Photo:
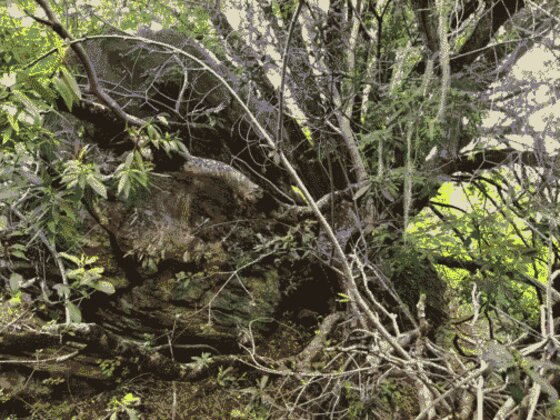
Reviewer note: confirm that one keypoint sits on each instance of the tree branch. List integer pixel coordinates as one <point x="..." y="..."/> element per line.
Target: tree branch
<point x="473" y="266"/>
<point x="496" y="14"/>
<point x="94" y="84"/>
<point x="487" y="159"/>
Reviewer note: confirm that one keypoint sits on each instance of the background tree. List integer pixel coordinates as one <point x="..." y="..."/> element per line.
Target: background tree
<point x="212" y="165"/>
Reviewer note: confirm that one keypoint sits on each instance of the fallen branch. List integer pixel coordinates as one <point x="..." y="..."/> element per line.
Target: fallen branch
<point x="92" y="338"/>
<point x="58" y="359"/>
<point x="310" y="353"/>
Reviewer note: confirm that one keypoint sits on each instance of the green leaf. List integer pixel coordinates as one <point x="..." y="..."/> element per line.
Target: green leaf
<point x="516" y="392"/>
<point x="70" y="81"/>
<point x="130" y="400"/>
<point x="308" y="136"/>
<point x="386" y="192"/>
<point x="39" y="88"/>
<point x="62" y="289"/>
<point x="75" y="313"/>
<point x="82" y="182"/>
<point x="51" y="226"/>
<point x="65" y="92"/>
<point x="15" y="281"/>
<point x="162" y="119"/>
<point x="69" y="257"/>
<point x="104" y="286"/>
<point x="74" y="274"/>
<point x="96" y="185"/>
<point x="299" y="193"/>
<point x="343" y="298"/>
<point x="7" y="135"/>
<point x="129" y="158"/>
<point x="153" y="133"/>
<point x="124" y="185"/>
<point x="91" y="259"/>
<point x="12" y="119"/>
<point x="28" y="106"/>
<point x="83" y="152"/>
<point x="131" y="414"/>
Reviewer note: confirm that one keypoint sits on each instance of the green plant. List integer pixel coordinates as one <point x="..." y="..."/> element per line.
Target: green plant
<point x="78" y="174"/>
<point x="225" y="377"/>
<point x="132" y="175"/>
<point x="108" y="366"/>
<point x="202" y="361"/>
<point x="87" y="277"/>
<point x="356" y="407"/>
<point x="249" y="412"/>
<point x="84" y="279"/>
<point x="128" y="404"/>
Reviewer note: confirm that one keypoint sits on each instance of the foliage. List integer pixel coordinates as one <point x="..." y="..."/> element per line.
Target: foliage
<point x="109" y="366"/>
<point x="480" y="230"/>
<point x="202" y="361"/>
<point x="128" y="405"/>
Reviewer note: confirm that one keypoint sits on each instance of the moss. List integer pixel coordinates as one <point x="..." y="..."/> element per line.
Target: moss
<point x="398" y="397"/>
<point x="47" y="410"/>
<point x="248" y="298"/>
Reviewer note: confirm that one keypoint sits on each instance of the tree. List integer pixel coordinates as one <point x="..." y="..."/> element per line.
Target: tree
<point x="305" y="147"/>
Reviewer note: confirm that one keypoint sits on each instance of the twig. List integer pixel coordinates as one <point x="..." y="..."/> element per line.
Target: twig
<point x="534" y="395"/>
<point x="504" y="411"/>
<point x="52" y="359"/>
<point x="283" y="74"/>
<point x="444" y="59"/>
<point x="483" y="368"/>
<point x="480" y="399"/>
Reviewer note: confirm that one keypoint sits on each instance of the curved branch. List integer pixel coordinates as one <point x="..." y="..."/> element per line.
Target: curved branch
<point x="95" y="86"/>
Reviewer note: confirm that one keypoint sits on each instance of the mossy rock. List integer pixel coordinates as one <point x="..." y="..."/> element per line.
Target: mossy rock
<point x="250" y="298"/>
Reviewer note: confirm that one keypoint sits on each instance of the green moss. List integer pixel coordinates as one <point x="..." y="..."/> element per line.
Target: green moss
<point x="47" y="410"/>
<point x="248" y="299"/>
